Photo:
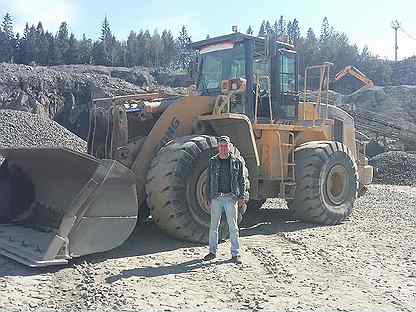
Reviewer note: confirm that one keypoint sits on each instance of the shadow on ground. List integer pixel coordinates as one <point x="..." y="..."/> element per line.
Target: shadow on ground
<point x="271" y="221"/>
<point x="180" y="268"/>
<point x="147" y="239"/>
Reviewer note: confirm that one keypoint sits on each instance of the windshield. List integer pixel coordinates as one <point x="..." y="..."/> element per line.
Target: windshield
<point x="221" y="65"/>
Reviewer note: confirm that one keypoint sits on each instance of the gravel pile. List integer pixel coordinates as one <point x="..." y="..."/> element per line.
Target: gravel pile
<point x="22" y="129"/>
<point x="394" y="103"/>
<point x="63" y="95"/>
<point x="397" y="168"/>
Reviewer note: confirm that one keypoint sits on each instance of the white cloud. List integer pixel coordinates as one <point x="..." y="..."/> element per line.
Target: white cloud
<point x="51" y="12"/>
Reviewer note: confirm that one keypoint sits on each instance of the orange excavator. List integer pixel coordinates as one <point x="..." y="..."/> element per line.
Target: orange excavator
<point x="356" y="73"/>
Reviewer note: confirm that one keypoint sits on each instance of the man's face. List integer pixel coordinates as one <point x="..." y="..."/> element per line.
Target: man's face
<point x="224" y="150"/>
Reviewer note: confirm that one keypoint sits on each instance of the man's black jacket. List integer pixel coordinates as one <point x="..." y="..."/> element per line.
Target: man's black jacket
<point x="239" y="182"/>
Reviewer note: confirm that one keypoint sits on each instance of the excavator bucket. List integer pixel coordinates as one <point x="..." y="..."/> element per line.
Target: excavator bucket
<point x="73" y="205"/>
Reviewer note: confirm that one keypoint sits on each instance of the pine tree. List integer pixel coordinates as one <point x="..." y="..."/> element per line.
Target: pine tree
<point x="8" y="42"/>
<point x="325" y="30"/>
<point x="156" y="49"/>
<point x="62" y="43"/>
<point x="52" y="54"/>
<point x="106" y="34"/>
<point x="184" y="51"/>
<point x="250" y="30"/>
<point x="168" y="49"/>
<point x="8" y="26"/>
<point x="41" y="46"/>
<point x="294" y="35"/>
<point x="268" y="28"/>
<point x="85" y="50"/>
<point x="307" y="50"/>
<point x="72" y="54"/>
<point x="147" y="54"/>
<point x="21" y="56"/>
<point x="107" y="42"/>
<point x="97" y="53"/>
<point x="281" y="30"/>
<point x="289" y="32"/>
<point x="132" y="57"/>
<point x="30" y="46"/>
<point x="262" y="30"/>
<point x="118" y="53"/>
<point x="141" y="47"/>
<point x="310" y="35"/>
<point x="16" y="46"/>
<point x="3" y="46"/>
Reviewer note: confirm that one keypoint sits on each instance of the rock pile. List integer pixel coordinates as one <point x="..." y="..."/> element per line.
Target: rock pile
<point x="23" y="129"/>
<point x="395" y="167"/>
<point x="395" y="103"/>
<point x="58" y="94"/>
<point x="404" y="72"/>
<point x="139" y="76"/>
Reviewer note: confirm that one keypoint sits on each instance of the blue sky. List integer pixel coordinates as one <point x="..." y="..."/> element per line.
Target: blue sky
<point x="365" y="22"/>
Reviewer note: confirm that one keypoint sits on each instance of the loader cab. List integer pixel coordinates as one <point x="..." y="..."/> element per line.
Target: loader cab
<point x="264" y="70"/>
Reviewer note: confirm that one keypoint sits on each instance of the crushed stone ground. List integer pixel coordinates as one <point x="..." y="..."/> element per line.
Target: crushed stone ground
<point x="365" y="264"/>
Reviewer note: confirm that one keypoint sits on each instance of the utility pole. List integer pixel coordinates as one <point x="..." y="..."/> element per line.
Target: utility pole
<point x="396" y="26"/>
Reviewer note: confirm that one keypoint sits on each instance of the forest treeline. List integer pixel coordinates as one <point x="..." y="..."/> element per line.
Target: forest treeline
<point x="37" y="46"/>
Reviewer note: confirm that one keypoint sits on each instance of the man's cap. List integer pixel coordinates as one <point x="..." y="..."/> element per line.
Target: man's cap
<point x="224" y="139"/>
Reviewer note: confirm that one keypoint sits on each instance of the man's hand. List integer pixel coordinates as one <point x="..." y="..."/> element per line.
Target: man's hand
<point x="242" y="204"/>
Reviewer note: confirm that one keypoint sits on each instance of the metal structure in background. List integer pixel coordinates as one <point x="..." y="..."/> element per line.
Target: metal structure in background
<point x="396" y="26"/>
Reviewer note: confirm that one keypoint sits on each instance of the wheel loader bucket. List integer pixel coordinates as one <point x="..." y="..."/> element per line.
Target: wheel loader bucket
<point x="81" y="205"/>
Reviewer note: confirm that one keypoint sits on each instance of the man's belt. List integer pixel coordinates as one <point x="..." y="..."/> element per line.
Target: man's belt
<point x="224" y="194"/>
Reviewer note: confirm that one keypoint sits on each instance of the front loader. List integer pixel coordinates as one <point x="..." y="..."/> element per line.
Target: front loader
<point x="148" y="155"/>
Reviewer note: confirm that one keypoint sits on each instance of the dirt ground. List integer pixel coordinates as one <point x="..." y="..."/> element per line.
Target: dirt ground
<point x="366" y="264"/>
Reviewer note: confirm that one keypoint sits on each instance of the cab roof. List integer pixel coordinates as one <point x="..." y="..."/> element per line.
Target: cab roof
<point x="235" y="38"/>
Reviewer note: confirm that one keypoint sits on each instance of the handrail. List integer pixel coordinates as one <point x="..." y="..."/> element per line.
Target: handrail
<point x="323" y="86"/>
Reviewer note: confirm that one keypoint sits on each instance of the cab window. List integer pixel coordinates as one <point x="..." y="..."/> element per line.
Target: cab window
<point x="288" y="73"/>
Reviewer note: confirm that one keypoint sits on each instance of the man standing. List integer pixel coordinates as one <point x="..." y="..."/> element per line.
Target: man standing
<point x="227" y="191"/>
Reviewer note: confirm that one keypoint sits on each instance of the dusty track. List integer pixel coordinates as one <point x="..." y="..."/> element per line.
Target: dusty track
<point x="365" y="264"/>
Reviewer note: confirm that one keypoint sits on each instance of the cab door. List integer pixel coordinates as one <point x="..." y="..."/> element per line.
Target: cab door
<point x="285" y="84"/>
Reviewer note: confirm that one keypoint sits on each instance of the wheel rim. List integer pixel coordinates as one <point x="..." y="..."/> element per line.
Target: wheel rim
<point x="337" y="184"/>
<point x="202" y="191"/>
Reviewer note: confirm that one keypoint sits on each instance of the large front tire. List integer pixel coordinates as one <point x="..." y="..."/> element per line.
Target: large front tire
<point x="177" y="188"/>
<point x="326" y="183"/>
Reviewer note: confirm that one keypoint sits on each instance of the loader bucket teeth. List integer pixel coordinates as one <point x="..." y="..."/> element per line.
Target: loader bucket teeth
<point x="81" y="205"/>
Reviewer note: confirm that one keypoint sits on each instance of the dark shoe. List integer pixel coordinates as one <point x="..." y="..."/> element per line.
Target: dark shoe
<point x="209" y="257"/>
<point x="236" y="260"/>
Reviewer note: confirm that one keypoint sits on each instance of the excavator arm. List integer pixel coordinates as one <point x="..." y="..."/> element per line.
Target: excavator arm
<point x="351" y="70"/>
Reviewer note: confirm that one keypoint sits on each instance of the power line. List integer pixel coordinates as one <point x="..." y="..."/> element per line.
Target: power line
<point x="396" y="25"/>
<point x="407" y="33"/>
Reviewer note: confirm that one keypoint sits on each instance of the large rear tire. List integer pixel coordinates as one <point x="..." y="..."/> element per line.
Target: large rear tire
<point x="177" y="188"/>
<point x="326" y="183"/>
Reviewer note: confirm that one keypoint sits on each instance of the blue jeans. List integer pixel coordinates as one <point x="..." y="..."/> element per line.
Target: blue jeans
<point x="229" y="204"/>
